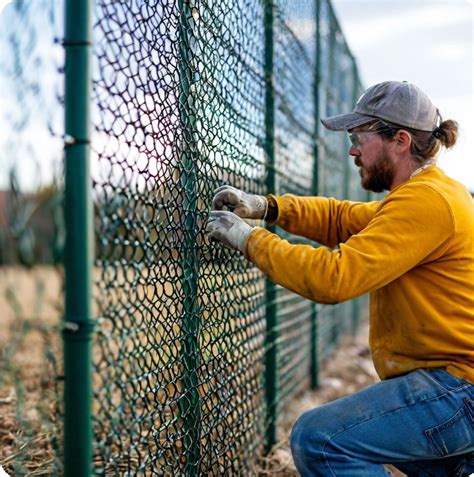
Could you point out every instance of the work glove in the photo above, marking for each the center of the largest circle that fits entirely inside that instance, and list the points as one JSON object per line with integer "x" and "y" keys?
{"x": 247, "y": 206}
{"x": 228, "y": 228}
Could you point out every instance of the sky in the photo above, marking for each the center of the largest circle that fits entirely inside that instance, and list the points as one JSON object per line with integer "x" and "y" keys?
{"x": 428, "y": 43}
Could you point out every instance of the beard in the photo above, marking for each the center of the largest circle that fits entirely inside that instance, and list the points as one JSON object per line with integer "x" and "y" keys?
{"x": 379, "y": 176}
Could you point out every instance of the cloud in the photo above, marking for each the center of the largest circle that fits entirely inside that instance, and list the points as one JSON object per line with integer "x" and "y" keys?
{"x": 452, "y": 52}
{"x": 391, "y": 20}
{"x": 3, "y": 5}
{"x": 427, "y": 42}
{"x": 457, "y": 162}
{"x": 303, "y": 28}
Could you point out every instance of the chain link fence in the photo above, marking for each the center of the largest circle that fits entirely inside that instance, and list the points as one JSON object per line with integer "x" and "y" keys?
{"x": 195, "y": 353}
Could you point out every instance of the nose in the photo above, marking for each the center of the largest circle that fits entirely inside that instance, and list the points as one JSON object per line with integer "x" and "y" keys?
{"x": 353, "y": 151}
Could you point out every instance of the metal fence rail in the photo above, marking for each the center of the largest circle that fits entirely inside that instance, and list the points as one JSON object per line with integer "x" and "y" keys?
{"x": 195, "y": 354}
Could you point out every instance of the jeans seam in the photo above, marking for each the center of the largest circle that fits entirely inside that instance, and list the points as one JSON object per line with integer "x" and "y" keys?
{"x": 465, "y": 384}
{"x": 461, "y": 414}
{"x": 325, "y": 458}
{"x": 444, "y": 392}
{"x": 441, "y": 453}
{"x": 388, "y": 412}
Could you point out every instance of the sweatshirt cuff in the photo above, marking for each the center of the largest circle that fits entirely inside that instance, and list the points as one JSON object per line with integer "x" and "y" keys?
{"x": 252, "y": 241}
{"x": 272, "y": 209}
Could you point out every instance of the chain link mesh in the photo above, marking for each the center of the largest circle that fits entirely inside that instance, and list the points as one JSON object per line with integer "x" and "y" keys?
{"x": 178, "y": 109}
{"x": 178, "y": 92}
{"x": 295, "y": 68}
{"x": 339, "y": 89}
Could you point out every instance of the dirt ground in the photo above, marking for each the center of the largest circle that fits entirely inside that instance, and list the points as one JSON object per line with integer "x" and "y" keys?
{"x": 29, "y": 315}
{"x": 350, "y": 369}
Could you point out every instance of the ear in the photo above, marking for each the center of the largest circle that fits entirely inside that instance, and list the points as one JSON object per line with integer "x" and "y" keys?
{"x": 403, "y": 140}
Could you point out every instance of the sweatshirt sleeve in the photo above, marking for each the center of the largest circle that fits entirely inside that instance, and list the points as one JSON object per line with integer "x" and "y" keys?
{"x": 411, "y": 223}
{"x": 325, "y": 220}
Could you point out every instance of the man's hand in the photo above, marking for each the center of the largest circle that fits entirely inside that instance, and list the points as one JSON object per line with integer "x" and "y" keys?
{"x": 248, "y": 206}
{"x": 228, "y": 228}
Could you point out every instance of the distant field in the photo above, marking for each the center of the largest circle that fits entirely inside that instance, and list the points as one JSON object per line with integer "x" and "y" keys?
{"x": 139, "y": 379}
{"x": 30, "y": 309}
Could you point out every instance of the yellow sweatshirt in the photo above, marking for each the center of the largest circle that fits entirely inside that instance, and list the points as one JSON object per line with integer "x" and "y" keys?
{"x": 413, "y": 251}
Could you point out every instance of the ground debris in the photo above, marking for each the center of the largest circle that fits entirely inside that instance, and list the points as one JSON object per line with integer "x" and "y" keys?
{"x": 350, "y": 369}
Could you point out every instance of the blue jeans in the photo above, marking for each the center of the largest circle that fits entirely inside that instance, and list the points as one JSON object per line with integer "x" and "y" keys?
{"x": 422, "y": 423}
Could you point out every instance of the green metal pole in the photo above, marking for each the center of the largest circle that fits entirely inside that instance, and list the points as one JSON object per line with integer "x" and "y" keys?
{"x": 271, "y": 370}
{"x": 335, "y": 320}
{"x": 78, "y": 258}
{"x": 355, "y": 96}
{"x": 189, "y": 404}
{"x": 314, "y": 363}
{"x": 347, "y": 170}
{"x": 356, "y": 303}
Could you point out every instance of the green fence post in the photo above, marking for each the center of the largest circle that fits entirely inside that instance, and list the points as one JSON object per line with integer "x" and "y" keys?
{"x": 189, "y": 403}
{"x": 78, "y": 257}
{"x": 314, "y": 363}
{"x": 271, "y": 369}
{"x": 356, "y": 303}
{"x": 336, "y": 318}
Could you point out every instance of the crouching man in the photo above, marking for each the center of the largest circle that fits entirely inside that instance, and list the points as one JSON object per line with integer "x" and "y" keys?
{"x": 413, "y": 252}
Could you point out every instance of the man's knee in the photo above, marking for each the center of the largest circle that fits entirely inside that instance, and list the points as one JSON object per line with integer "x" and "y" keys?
{"x": 307, "y": 439}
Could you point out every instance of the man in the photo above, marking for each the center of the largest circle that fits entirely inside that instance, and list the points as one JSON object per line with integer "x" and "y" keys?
{"x": 413, "y": 252}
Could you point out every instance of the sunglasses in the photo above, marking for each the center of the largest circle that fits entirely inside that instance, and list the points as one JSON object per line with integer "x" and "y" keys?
{"x": 354, "y": 136}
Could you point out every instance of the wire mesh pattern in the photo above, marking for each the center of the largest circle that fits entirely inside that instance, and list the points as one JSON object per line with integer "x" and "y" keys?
{"x": 179, "y": 89}
{"x": 294, "y": 73}
{"x": 188, "y": 96}
{"x": 339, "y": 89}
{"x": 179, "y": 350}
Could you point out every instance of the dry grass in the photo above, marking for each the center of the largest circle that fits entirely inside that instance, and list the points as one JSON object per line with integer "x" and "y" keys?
{"x": 349, "y": 370}
{"x": 29, "y": 311}
{"x": 29, "y": 301}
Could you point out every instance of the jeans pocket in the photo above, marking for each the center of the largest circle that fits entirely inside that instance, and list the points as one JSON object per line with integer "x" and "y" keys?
{"x": 456, "y": 434}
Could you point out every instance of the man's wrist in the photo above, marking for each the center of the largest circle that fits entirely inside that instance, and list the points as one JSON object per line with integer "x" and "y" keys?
{"x": 271, "y": 215}
{"x": 257, "y": 206}
{"x": 243, "y": 235}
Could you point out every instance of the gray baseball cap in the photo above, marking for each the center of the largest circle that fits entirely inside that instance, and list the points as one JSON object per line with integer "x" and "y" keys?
{"x": 398, "y": 102}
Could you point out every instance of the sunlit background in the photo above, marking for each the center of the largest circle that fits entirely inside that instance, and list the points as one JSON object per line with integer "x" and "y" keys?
{"x": 426, "y": 42}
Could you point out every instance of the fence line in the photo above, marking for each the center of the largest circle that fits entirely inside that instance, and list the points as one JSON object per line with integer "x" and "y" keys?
{"x": 195, "y": 354}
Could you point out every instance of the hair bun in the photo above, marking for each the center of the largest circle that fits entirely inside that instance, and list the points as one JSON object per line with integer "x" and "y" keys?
{"x": 447, "y": 133}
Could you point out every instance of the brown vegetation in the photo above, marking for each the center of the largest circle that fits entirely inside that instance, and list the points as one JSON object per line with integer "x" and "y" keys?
{"x": 30, "y": 310}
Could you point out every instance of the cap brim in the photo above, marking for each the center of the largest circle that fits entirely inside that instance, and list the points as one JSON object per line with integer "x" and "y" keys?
{"x": 345, "y": 122}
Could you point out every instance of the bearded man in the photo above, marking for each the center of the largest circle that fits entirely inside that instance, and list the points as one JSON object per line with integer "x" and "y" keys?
{"x": 413, "y": 252}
